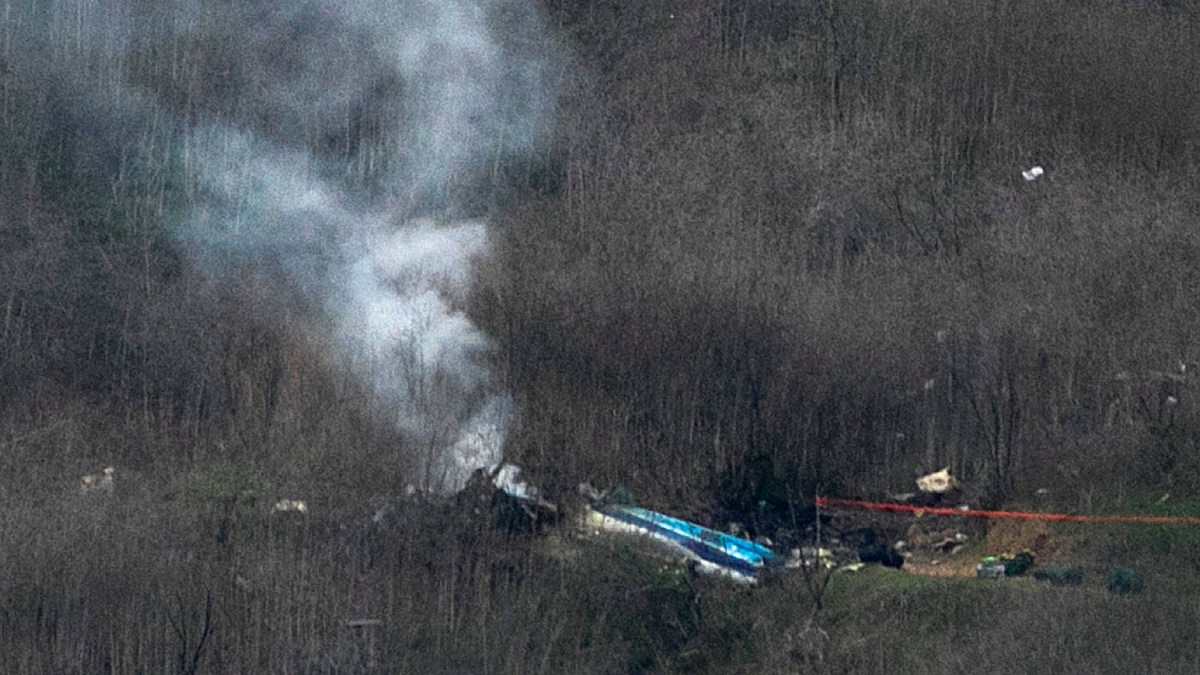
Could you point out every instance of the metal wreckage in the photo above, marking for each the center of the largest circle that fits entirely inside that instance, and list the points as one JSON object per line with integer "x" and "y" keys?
{"x": 515, "y": 504}
{"x": 703, "y": 549}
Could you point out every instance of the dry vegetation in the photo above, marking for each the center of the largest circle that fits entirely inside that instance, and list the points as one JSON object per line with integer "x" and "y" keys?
{"x": 771, "y": 248}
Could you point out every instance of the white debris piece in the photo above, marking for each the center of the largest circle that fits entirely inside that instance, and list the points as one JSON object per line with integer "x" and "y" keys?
{"x": 990, "y": 571}
{"x": 939, "y": 482}
{"x": 98, "y": 483}
{"x": 509, "y": 479}
{"x": 810, "y": 556}
{"x": 1033, "y": 174}
{"x": 291, "y": 505}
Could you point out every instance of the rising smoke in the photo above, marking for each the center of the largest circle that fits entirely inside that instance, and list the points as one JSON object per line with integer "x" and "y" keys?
{"x": 295, "y": 106}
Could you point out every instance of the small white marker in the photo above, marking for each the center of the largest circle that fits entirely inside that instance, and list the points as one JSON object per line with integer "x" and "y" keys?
{"x": 1034, "y": 173}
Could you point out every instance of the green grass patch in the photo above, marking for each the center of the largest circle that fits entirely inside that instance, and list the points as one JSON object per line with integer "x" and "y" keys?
{"x": 1164, "y": 539}
{"x": 936, "y": 604}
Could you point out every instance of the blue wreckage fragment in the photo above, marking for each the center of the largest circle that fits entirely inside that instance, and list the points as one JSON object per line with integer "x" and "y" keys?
{"x": 713, "y": 551}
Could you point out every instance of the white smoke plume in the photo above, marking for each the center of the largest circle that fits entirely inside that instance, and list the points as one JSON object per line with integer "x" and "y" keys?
{"x": 447, "y": 84}
{"x": 394, "y": 289}
{"x": 391, "y": 294}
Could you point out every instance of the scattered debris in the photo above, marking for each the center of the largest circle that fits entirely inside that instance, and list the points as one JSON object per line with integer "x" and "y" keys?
{"x": 1005, "y": 565}
{"x": 938, "y": 489}
{"x": 873, "y": 549}
{"x": 950, "y": 544}
{"x": 92, "y": 483}
{"x": 1017, "y": 565}
{"x": 990, "y": 568}
{"x": 811, "y": 556}
{"x": 515, "y": 505}
{"x": 745, "y": 555}
{"x": 938, "y": 482}
{"x": 296, "y": 505}
{"x": 946, "y": 542}
{"x": 882, "y": 554}
{"x": 706, "y": 549}
{"x": 519, "y": 514}
{"x": 509, "y": 478}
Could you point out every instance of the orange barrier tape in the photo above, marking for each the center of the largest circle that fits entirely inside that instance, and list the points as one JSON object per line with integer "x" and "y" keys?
{"x": 1017, "y": 515}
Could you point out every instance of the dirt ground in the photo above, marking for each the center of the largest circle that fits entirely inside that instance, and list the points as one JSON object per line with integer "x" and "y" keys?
{"x": 993, "y": 537}
{"x": 1014, "y": 536}
{"x": 1002, "y": 537}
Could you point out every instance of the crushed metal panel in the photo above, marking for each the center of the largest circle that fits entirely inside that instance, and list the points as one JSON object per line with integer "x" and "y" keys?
{"x": 713, "y": 551}
{"x": 938, "y": 482}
